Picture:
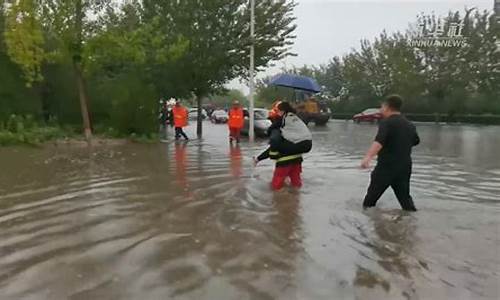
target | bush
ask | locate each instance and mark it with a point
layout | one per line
(25, 130)
(127, 104)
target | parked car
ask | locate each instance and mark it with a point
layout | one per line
(193, 113)
(368, 115)
(219, 116)
(261, 122)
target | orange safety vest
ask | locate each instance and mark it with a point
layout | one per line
(180, 116)
(236, 118)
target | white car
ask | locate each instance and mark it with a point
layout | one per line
(219, 116)
(261, 122)
(193, 113)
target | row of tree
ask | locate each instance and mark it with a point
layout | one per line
(108, 62)
(459, 78)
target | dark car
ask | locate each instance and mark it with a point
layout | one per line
(261, 122)
(219, 116)
(368, 115)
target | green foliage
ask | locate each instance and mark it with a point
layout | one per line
(126, 103)
(18, 130)
(267, 95)
(219, 38)
(15, 97)
(225, 99)
(218, 33)
(134, 52)
(128, 55)
(24, 39)
(449, 80)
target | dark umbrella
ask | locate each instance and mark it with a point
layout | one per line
(296, 82)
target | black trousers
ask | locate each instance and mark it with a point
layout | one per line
(398, 178)
(179, 132)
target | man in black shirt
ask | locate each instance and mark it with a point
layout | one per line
(393, 144)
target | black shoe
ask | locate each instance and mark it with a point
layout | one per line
(412, 209)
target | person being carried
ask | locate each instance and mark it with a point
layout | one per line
(235, 122)
(289, 139)
(393, 144)
(180, 114)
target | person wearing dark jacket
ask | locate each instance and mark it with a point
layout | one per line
(289, 139)
(393, 144)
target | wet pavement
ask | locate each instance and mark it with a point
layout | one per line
(197, 221)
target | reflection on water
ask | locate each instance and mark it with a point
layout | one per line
(180, 160)
(196, 221)
(235, 160)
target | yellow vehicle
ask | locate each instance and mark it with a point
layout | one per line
(309, 110)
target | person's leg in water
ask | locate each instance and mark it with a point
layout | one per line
(401, 188)
(295, 175)
(237, 134)
(177, 133)
(233, 135)
(183, 134)
(381, 179)
(279, 176)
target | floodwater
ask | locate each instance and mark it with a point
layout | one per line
(197, 221)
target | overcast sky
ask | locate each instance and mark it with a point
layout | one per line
(326, 28)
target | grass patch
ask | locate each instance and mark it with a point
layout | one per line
(24, 130)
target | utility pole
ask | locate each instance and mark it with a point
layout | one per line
(251, 128)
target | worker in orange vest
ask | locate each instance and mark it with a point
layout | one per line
(235, 122)
(180, 120)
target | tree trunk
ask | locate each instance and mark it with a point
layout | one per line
(83, 100)
(199, 126)
(44, 92)
(77, 65)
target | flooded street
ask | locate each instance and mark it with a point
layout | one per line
(197, 221)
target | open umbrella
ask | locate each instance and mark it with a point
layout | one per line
(296, 82)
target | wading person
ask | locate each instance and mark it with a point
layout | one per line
(235, 122)
(180, 114)
(288, 141)
(393, 144)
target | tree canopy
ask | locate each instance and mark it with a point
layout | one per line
(118, 58)
(436, 78)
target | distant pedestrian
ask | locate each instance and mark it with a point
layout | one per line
(393, 144)
(235, 122)
(180, 114)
